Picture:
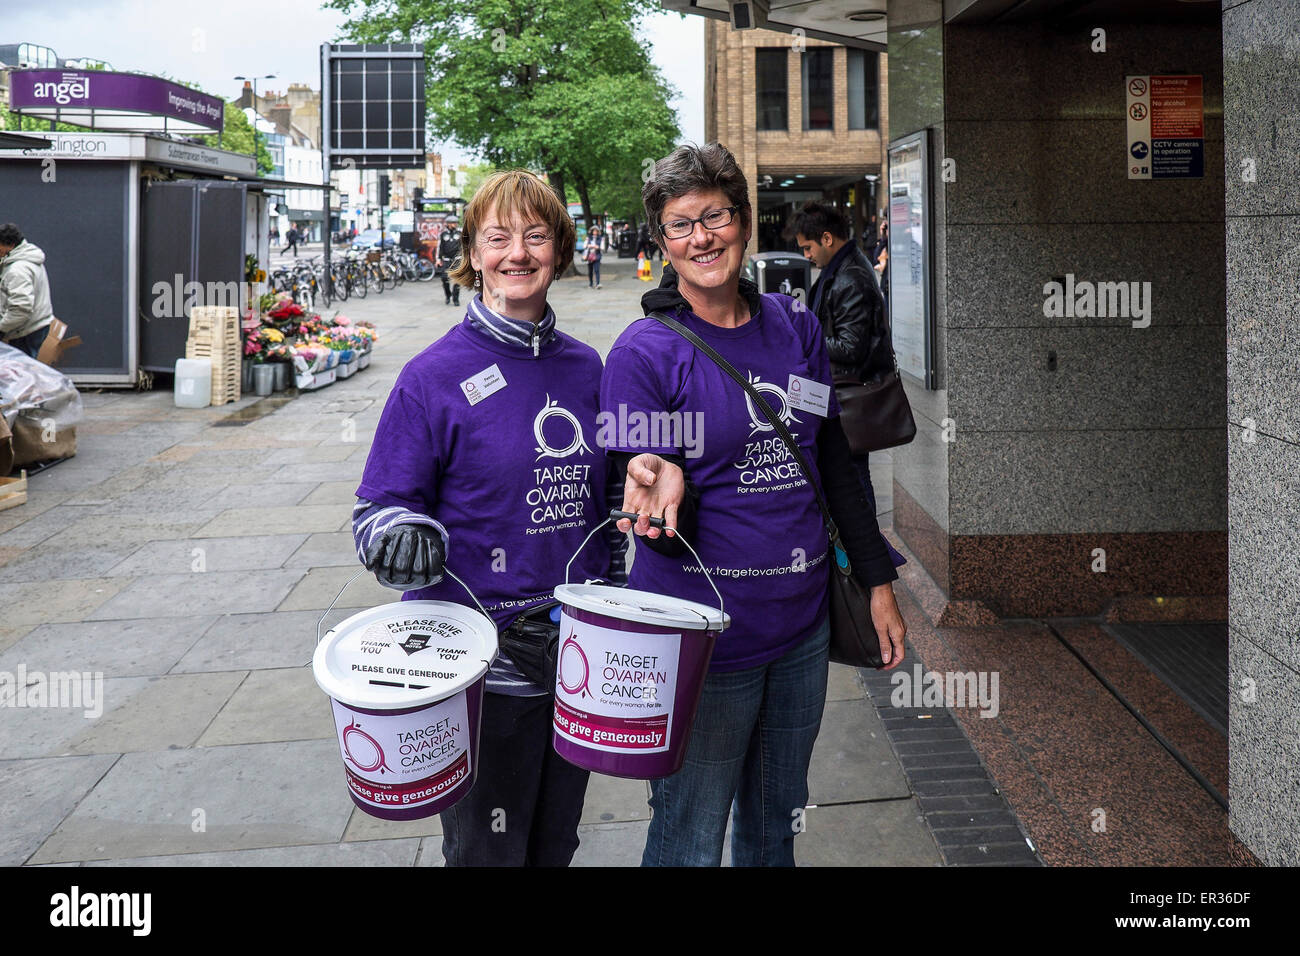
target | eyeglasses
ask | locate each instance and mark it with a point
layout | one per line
(499, 240)
(713, 219)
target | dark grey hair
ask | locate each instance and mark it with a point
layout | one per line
(10, 235)
(689, 168)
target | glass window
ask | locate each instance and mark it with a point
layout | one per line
(864, 89)
(818, 92)
(770, 79)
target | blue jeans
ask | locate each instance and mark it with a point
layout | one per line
(748, 756)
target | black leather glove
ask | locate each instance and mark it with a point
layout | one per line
(406, 557)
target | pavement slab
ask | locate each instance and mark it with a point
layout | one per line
(377, 853)
(135, 648)
(880, 833)
(164, 713)
(208, 555)
(273, 705)
(611, 844)
(276, 520)
(212, 592)
(250, 796)
(363, 826)
(320, 585)
(35, 796)
(277, 639)
(332, 549)
(49, 731)
(852, 759)
(44, 602)
(615, 800)
(332, 492)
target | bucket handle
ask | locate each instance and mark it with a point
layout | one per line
(658, 522)
(446, 570)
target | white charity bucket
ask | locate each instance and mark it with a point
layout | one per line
(405, 681)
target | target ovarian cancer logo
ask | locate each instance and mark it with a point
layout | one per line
(767, 464)
(560, 492)
(615, 689)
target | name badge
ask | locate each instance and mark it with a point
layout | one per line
(809, 396)
(480, 386)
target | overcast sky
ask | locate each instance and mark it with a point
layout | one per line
(212, 42)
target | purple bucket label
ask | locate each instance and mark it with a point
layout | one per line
(615, 690)
(399, 761)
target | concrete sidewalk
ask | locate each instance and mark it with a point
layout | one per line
(189, 558)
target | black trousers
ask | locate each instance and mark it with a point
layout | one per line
(31, 342)
(451, 290)
(527, 801)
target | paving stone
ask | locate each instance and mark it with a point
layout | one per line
(35, 795)
(254, 642)
(112, 530)
(953, 745)
(282, 704)
(363, 826)
(946, 773)
(431, 852)
(333, 492)
(241, 553)
(970, 818)
(615, 800)
(335, 548)
(911, 762)
(884, 833)
(136, 648)
(311, 454)
(254, 795)
(850, 741)
(251, 494)
(346, 470)
(948, 837)
(992, 853)
(379, 853)
(47, 562)
(48, 731)
(611, 844)
(226, 458)
(963, 804)
(178, 595)
(26, 531)
(46, 602)
(949, 788)
(320, 585)
(291, 520)
(842, 683)
(166, 712)
(9, 636)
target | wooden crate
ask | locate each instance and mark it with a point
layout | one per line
(13, 491)
(215, 335)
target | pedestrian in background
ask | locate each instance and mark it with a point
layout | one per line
(846, 300)
(447, 257)
(291, 240)
(591, 253)
(25, 309)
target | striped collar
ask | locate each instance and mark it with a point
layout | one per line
(512, 331)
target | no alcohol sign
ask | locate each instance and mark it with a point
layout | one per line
(1166, 127)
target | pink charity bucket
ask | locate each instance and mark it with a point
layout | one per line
(630, 670)
(405, 682)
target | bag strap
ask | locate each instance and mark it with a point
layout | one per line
(841, 555)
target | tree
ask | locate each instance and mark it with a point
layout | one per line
(237, 135)
(562, 87)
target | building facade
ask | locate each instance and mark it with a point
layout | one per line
(805, 119)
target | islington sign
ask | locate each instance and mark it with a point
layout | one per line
(114, 101)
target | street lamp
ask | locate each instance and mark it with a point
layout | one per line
(254, 79)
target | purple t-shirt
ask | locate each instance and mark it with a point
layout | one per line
(760, 531)
(500, 448)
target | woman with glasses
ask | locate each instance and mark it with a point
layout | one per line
(485, 457)
(748, 511)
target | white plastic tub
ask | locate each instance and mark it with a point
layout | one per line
(193, 383)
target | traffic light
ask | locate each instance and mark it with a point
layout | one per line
(383, 189)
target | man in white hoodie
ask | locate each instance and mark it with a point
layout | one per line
(25, 308)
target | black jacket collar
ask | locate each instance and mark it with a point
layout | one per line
(667, 297)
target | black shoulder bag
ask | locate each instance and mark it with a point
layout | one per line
(853, 635)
